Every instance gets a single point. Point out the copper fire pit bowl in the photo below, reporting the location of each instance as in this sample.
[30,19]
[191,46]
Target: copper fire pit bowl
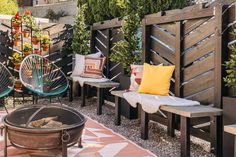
[22,136]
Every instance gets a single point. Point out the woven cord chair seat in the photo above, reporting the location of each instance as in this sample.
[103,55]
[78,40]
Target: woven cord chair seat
[6,82]
[42,77]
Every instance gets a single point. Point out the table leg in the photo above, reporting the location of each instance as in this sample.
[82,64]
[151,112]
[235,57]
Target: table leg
[117,110]
[5,140]
[64,149]
[100,100]
[185,136]
[144,125]
[218,136]
[171,125]
[71,91]
[83,90]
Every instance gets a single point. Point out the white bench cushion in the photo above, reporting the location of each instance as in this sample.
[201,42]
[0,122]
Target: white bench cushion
[152,103]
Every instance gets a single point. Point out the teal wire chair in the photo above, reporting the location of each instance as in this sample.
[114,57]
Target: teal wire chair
[42,77]
[6,83]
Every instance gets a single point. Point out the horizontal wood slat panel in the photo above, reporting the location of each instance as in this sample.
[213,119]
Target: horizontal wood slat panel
[101,36]
[163,36]
[199,51]
[107,24]
[206,97]
[200,34]
[198,68]
[198,84]
[190,25]
[170,27]
[100,46]
[184,15]
[156,59]
[163,51]
[58,46]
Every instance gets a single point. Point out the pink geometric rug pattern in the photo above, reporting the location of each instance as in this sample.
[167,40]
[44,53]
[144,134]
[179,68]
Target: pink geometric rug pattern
[97,140]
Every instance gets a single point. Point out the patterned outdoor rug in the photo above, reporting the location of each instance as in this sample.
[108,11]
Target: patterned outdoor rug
[98,141]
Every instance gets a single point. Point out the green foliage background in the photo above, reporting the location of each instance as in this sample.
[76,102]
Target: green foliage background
[127,51]
[100,10]
[8,7]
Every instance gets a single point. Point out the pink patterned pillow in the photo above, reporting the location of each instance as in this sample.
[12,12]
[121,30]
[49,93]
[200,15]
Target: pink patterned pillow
[136,77]
[93,67]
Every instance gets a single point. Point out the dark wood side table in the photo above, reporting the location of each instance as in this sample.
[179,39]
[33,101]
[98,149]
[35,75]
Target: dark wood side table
[231,129]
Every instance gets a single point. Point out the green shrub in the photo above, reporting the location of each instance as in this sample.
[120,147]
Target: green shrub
[80,41]
[8,7]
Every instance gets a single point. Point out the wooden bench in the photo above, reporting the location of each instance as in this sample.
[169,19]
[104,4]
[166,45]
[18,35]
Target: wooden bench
[185,113]
[101,86]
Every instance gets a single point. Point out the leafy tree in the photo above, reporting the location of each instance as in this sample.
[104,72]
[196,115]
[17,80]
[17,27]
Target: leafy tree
[80,41]
[8,7]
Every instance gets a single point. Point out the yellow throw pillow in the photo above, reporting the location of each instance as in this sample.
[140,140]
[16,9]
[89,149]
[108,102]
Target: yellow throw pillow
[156,79]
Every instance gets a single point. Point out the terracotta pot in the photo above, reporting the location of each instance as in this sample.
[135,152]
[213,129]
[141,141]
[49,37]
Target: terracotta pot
[17,66]
[16,26]
[26,33]
[16,42]
[29,73]
[37,51]
[26,53]
[18,85]
[45,47]
[46,88]
[35,40]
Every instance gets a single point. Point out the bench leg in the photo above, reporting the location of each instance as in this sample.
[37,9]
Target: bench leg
[100,100]
[217,136]
[117,110]
[83,90]
[185,136]
[71,91]
[144,125]
[171,125]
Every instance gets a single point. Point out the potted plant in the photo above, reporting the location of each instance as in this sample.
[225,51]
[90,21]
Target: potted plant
[18,84]
[80,40]
[230,66]
[16,21]
[16,38]
[27,49]
[16,59]
[26,33]
[45,42]
[29,21]
[36,36]
[37,51]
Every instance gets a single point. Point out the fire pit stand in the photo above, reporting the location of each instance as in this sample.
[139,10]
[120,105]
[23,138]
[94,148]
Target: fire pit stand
[43,138]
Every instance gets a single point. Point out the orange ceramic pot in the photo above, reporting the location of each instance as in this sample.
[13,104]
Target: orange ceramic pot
[45,47]
[26,33]
[29,73]
[17,66]
[18,85]
[27,53]
[16,26]
[16,42]
[35,40]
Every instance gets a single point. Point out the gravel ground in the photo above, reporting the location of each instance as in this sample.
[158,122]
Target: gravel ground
[158,143]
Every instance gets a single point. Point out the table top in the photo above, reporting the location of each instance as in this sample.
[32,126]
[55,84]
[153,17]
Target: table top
[193,111]
[107,84]
[230,129]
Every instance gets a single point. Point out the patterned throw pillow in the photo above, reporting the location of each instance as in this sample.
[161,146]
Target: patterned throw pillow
[93,67]
[136,77]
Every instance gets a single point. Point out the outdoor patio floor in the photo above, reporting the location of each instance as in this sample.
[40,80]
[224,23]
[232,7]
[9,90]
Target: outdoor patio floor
[159,143]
